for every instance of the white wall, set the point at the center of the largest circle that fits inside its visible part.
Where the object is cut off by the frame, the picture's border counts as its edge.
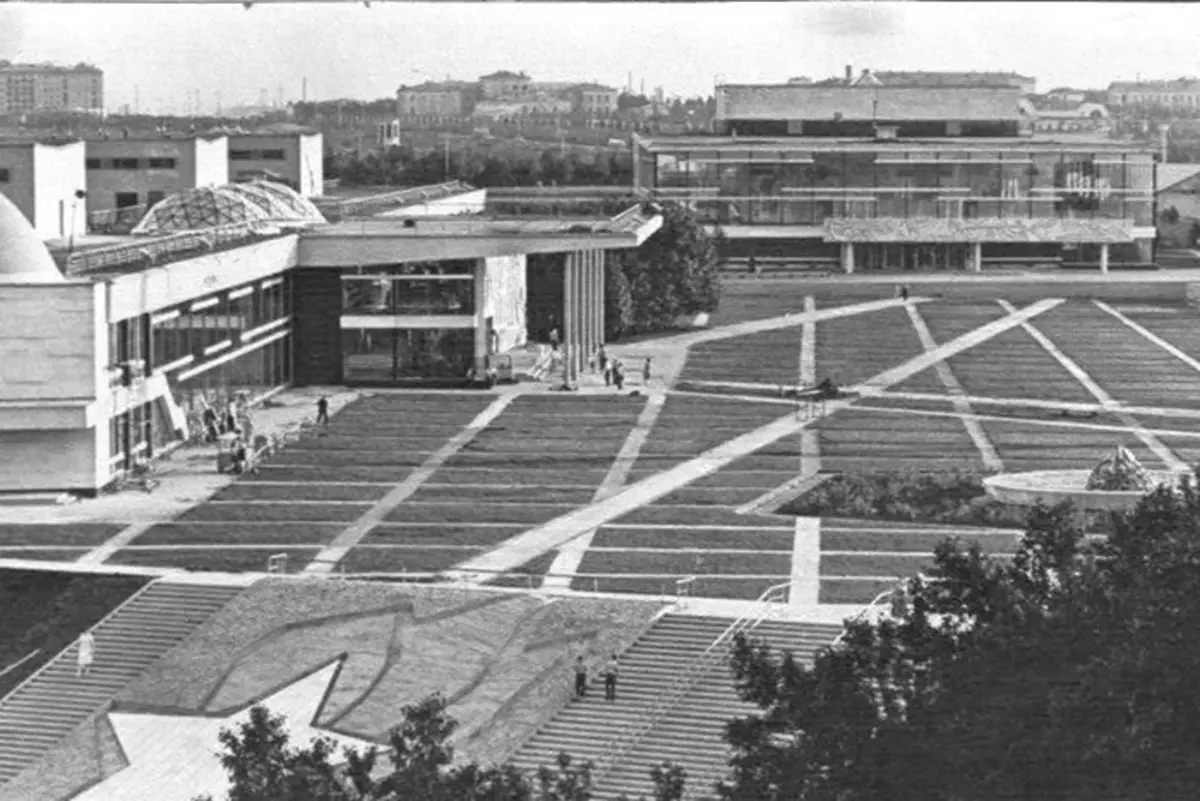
(40, 461)
(504, 299)
(212, 162)
(181, 281)
(50, 338)
(302, 163)
(18, 160)
(58, 172)
(466, 203)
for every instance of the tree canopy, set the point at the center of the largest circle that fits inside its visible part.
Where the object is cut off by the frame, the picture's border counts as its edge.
(263, 765)
(1063, 674)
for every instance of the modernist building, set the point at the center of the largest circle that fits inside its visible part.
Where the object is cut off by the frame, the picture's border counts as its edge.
(245, 289)
(49, 87)
(875, 177)
(46, 181)
(127, 176)
(293, 155)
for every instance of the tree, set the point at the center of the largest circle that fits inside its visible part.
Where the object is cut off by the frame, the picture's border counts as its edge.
(618, 299)
(676, 272)
(1066, 674)
(263, 766)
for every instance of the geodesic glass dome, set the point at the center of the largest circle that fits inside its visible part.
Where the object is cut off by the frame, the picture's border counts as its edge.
(210, 206)
(281, 201)
(201, 207)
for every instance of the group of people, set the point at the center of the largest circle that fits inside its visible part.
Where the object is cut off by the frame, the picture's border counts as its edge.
(232, 420)
(610, 678)
(613, 368)
(901, 291)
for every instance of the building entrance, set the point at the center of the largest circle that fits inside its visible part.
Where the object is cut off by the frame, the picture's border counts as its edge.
(905, 257)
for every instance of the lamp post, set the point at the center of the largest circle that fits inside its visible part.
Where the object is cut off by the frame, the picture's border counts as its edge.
(80, 194)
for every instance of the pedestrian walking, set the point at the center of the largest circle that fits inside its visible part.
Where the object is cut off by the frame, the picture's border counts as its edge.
(580, 677)
(610, 679)
(608, 373)
(646, 371)
(87, 654)
(602, 358)
(619, 374)
(554, 337)
(904, 293)
(323, 411)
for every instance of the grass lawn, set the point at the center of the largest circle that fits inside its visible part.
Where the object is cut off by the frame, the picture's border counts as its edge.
(853, 591)
(275, 512)
(1027, 447)
(253, 491)
(83, 534)
(423, 440)
(667, 563)
(853, 349)
(500, 494)
(241, 560)
(530, 477)
(1013, 365)
(715, 497)
(749, 539)
(332, 461)
(707, 587)
(470, 511)
(483, 536)
(923, 542)
(736, 477)
(319, 474)
(695, 516)
(259, 533)
(43, 554)
(548, 468)
(875, 565)
(366, 559)
(531, 574)
(47, 611)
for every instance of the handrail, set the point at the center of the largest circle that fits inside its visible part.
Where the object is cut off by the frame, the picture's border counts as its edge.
(95, 626)
(128, 252)
(863, 613)
(633, 732)
(20, 662)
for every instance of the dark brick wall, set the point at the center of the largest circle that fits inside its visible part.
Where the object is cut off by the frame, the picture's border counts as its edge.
(317, 337)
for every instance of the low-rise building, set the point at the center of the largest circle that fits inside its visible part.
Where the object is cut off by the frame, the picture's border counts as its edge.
(45, 180)
(1080, 118)
(921, 79)
(1178, 193)
(448, 98)
(1180, 95)
(1064, 95)
(594, 99)
(288, 153)
(127, 176)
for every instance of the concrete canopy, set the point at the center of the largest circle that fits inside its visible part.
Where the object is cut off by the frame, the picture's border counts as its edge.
(23, 257)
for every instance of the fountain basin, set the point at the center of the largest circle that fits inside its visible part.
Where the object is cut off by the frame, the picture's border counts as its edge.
(1055, 486)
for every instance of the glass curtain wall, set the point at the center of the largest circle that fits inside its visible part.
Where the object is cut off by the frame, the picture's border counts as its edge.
(385, 355)
(756, 187)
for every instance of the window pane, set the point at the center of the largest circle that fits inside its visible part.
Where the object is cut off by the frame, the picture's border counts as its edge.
(367, 354)
(454, 296)
(435, 353)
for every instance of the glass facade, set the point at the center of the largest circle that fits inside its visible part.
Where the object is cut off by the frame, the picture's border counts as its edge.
(383, 355)
(211, 349)
(732, 186)
(363, 294)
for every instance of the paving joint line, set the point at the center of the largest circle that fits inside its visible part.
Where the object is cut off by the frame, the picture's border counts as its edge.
(328, 558)
(987, 451)
(1153, 443)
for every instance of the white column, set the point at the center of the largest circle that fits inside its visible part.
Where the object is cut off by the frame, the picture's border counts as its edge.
(848, 258)
(977, 257)
(481, 334)
(1104, 258)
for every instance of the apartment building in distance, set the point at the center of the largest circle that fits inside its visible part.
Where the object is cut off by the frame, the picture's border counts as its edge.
(1182, 94)
(594, 99)
(45, 181)
(869, 177)
(50, 87)
(504, 85)
(448, 98)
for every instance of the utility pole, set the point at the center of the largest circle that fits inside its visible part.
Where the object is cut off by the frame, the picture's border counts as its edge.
(136, 102)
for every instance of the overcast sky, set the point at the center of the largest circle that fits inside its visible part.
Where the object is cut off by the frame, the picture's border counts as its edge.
(346, 50)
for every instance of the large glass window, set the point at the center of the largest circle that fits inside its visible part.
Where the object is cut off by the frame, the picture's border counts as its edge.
(368, 355)
(435, 353)
(408, 296)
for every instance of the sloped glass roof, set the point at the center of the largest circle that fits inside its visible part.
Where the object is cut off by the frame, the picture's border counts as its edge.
(211, 206)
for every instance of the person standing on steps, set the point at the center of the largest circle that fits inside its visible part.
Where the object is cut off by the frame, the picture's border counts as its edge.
(618, 371)
(87, 654)
(646, 371)
(904, 293)
(580, 677)
(610, 679)
(323, 411)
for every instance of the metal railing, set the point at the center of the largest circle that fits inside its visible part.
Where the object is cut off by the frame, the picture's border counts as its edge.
(371, 204)
(862, 613)
(95, 626)
(152, 250)
(635, 730)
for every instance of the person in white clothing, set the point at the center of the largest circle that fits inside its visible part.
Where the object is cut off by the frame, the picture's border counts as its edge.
(87, 653)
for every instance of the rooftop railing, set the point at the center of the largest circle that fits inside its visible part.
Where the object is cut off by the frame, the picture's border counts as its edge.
(152, 251)
(367, 205)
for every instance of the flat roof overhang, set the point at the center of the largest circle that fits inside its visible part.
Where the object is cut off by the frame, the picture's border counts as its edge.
(375, 241)
(798, 144)
(929, 231)
(48, 415)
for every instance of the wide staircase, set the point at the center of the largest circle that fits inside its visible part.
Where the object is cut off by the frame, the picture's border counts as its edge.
(42, 711)
(689, 734)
